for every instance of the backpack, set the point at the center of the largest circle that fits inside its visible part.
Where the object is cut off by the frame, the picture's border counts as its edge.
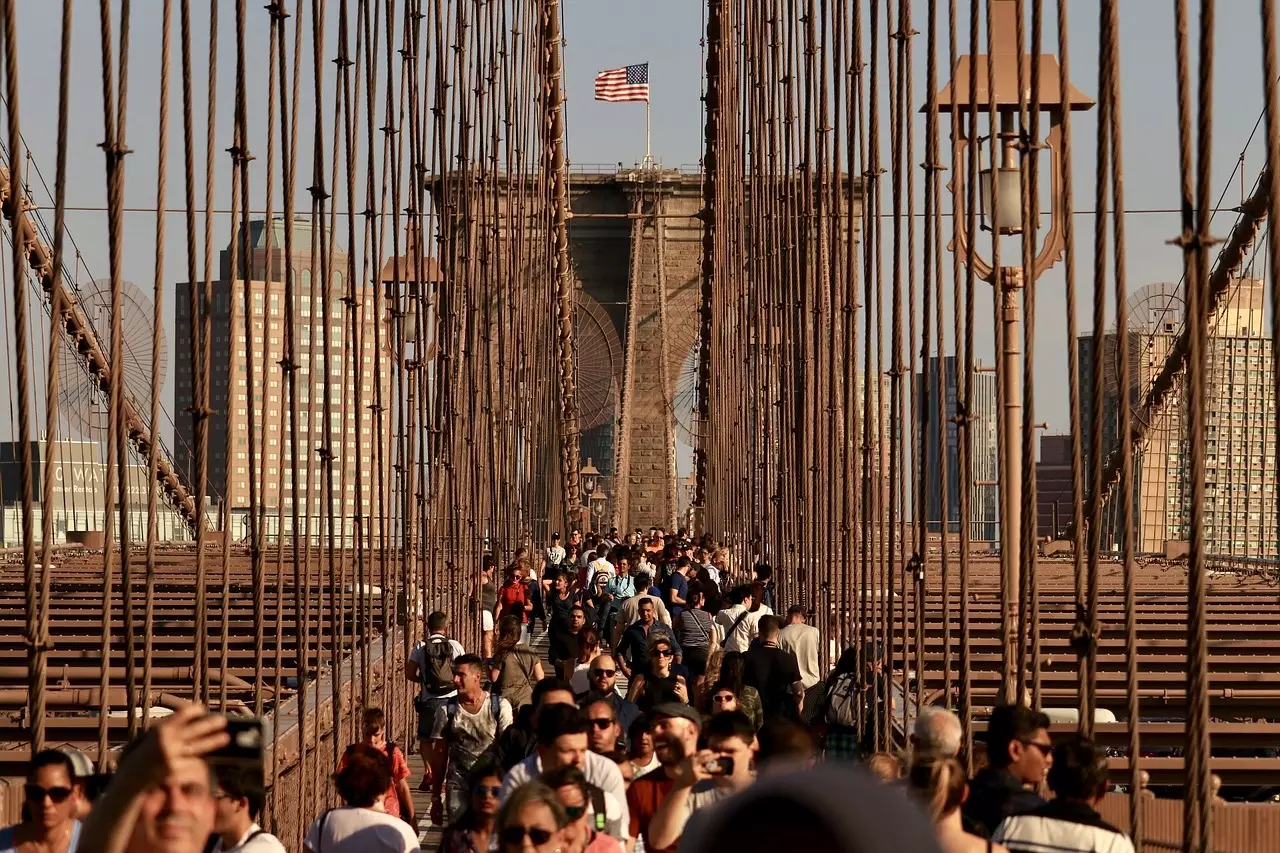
(437, 666)
(842, 701)
(600, 818)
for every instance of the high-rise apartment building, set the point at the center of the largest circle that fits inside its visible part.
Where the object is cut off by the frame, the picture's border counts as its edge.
(1240, 475)
(347, 379)
(984, 502)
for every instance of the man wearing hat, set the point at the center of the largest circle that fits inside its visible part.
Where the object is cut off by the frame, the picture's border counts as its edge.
(675, 728)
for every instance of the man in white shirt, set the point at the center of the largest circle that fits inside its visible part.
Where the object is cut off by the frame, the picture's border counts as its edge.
(464, 727)
(739, 622)
(563, 741)
(801, 640)
(430, 666)
(237, 805)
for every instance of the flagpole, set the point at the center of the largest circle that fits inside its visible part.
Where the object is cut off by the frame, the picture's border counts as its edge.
(648, 138)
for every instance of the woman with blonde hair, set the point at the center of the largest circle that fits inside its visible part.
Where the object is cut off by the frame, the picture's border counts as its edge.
(943, 788)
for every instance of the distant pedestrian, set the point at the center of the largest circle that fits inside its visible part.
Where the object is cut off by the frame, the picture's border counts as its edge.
(398, 801)
(516, 668)
(361, 825)
(430, 666)
(555, 552)
(238, 805)
(775, 673)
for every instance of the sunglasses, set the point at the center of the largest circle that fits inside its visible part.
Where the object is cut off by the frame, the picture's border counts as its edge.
(603, 673)
(664, 653)
(514, 835)
(488, 790)
(602, 723)
(36, 794)
(575, 812)
(720, 700)
(1046, 749)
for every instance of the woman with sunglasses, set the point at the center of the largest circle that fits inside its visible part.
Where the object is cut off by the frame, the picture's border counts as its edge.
(659, 683)
(532, 819)
(472, 832)
(575, 794)
(51, 801)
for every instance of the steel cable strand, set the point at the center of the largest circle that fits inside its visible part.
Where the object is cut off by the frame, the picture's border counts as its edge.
(38, 594)
(1198, 808)
(965, 392)
(1073, 361)
(1270, 72)
(157, 318)
(1030, 204)
(239, 263)
(1110, 55)
(15, 214)
(114, 150)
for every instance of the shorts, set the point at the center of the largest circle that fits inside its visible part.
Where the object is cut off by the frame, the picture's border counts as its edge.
(486, 620)
(427, 716)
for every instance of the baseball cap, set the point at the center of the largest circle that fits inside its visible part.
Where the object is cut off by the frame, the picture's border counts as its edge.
(80, 762)
(675, 709)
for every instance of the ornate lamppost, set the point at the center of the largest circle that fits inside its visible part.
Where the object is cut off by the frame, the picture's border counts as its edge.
(1003, 215)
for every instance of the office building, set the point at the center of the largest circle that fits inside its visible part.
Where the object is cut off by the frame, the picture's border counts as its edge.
(984, 516)
(1240, 477)
(346, 430)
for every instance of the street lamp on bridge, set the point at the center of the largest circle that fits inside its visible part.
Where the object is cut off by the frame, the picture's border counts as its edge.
(1003, 213)
(588, 475)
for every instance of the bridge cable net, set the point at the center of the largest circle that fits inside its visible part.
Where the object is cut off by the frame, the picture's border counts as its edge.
(356, 433)
(841, 385)
(397, 421)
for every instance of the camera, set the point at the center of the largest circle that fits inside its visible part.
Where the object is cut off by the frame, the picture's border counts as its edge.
(722, 766)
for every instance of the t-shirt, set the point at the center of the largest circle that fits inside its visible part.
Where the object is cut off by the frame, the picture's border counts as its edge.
(772, 671)
(678, 584)
(599, 771)
(419, 657)
(469, 735)
(738, 639)
(512, 598)
(255, 840)
(648, 792)
(352, 830)
(399, 771)
(802, 641)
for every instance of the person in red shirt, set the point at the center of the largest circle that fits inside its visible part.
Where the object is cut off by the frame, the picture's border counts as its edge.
(675, 728)
(398, 801)
(514, 599)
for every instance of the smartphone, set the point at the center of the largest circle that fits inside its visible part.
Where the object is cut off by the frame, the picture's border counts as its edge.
(722, 766)
(244, 754)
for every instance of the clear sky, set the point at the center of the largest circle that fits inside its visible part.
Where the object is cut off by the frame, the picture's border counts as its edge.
(609, 33)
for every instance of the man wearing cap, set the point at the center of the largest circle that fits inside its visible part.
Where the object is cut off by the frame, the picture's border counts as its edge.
(675, 729)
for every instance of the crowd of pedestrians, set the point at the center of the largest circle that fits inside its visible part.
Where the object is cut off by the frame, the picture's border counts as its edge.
(725, 735)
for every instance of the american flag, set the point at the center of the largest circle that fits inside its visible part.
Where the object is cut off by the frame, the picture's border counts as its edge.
(623, 84)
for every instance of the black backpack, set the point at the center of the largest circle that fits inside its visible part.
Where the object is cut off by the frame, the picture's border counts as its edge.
(437, 666)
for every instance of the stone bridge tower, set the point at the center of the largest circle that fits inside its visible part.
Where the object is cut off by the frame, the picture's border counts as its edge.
(635, 242)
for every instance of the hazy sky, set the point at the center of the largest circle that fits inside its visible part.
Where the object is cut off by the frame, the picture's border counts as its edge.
(609, 33)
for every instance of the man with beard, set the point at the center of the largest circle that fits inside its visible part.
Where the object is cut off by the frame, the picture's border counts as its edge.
(675, 737)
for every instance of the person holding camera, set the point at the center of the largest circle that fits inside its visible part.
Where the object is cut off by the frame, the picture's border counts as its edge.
(707, 776)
